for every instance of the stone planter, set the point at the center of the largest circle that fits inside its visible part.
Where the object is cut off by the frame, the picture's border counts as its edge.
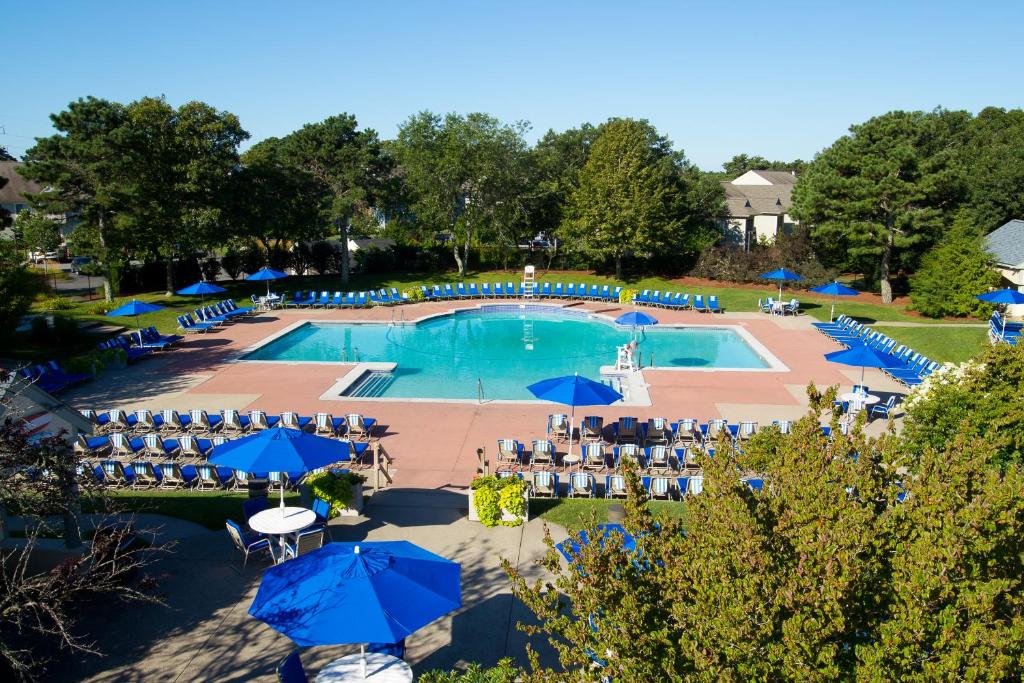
(505, 516)
(356, 506)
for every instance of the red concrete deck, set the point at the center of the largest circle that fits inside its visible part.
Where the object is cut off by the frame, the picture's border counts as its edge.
(434, 444)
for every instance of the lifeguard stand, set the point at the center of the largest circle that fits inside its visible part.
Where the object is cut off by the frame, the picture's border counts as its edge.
(529, 282)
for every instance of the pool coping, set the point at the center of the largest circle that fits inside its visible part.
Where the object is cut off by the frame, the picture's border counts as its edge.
(635, 381)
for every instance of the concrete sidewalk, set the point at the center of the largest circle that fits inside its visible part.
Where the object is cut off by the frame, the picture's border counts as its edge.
(205, 633)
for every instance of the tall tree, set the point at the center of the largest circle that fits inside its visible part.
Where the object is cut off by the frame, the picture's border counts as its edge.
(5, 155)
(350, 165)
(80, 167)
(631, 197)
(557, 160)
(466, 175)
(741, 163)
(995, 167)
(885, 189)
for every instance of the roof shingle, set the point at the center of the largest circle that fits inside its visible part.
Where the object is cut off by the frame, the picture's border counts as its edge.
(1006, 244)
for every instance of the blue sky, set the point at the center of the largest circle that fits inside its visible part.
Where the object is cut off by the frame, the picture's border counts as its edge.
(776, 78)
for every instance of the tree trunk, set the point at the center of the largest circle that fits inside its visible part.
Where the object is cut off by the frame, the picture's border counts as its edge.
(170, 275)
(458, 258)
(343, 266)
(883, 268)
(618, 267)
(108, 294)
(465, 255)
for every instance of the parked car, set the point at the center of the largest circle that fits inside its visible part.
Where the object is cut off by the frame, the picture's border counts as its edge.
(78, 262)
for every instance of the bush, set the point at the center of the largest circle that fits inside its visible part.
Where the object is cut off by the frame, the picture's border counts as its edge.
(374, 260)
(324, 256)
(210, 268)
(791, 251)
(65, 332)
(253, 258)
(626, 296)
(951, 274)
(492, 495)
(57, 303)
(335, 488)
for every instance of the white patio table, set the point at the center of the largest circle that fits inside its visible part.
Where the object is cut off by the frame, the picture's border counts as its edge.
(282, 522)
(859, 401)
(380, 668)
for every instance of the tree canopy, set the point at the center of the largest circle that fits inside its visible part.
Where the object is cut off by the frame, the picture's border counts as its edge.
(741, 163)
(953, 272)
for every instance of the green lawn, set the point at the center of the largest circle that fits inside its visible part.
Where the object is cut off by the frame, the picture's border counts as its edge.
(572, 513)
(942, 344)
(208, 508)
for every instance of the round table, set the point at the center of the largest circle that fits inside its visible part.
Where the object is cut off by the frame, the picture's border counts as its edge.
(858, 400)
(379, 668)
(281, 521)
(570, 460)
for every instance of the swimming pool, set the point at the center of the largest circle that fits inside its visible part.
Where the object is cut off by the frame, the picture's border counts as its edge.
(503, 347)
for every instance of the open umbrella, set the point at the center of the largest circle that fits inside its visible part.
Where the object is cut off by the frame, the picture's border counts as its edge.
(1002, 296)
(835, 289)
(573, 390)
(862, 356)
(369, 592)
(781, 274)
(280, 449)
(201, 288)
(636, 319)
(267, 274)
(135, 308)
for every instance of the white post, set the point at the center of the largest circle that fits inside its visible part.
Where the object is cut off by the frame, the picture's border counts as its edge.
(362, 651)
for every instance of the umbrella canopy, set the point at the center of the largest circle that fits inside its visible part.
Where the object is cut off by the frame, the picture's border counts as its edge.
(835, 289)
(200, 288)
(280, 449)
(267, 274)
(569, 547)
(370, 592)
(1002, 296)
(135, 308)
(862, 356)
(573, 390)
(781, 274)
(636, 318)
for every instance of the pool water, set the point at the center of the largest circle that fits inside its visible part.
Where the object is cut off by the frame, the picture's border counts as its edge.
(505, 347)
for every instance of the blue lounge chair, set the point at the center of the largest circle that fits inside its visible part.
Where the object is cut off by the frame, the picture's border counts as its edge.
(883, 409)
(698, 303)
(545, 290)
(559, 291)
(499, 289)
(460, 290)
(510, 451)
(189, 326)
(615, 486)
(544, 484)
(643, 297)
(712, 305)
(249, 543)
(581, 485)
(485, 290)
(594, 292)
(616, 294)
(542, 452)
(570, 290)
(449, 292)
(473, 291)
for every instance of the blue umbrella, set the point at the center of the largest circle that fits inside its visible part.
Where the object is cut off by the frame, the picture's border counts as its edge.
(863, 356)
(202, 288)
(781, 274)
(1002, 296)
(636, 318)
(835, 289)
(573, 390)
(280, 450)
(569, 547)
(267, 274)
(135, 308)
(369, 592)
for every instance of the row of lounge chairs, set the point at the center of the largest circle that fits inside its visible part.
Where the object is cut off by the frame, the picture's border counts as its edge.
(1001, 331)
(227, 423)
(217, 314)
(545, 290)
(140, 344)
(51, 377)
(325, 299)
(679, 300)
(548, 484)
(913, 367)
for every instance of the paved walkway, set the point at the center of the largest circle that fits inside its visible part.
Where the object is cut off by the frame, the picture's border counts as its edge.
(205, 633)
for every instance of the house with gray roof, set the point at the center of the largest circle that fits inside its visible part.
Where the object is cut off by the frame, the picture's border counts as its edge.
(758, 204)
(14, 198)
(1006, 245)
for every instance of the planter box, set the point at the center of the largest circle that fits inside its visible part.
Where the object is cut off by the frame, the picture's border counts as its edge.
(356, 508)
(505, 516)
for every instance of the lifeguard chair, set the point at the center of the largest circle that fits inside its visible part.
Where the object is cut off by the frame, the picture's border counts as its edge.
(529, 282)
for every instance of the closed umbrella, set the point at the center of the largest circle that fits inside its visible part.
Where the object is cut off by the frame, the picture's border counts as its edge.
(835, 289)
(781, 274)
(346, 593)
(573, 390)
(201, 289)
(1002, 296)
(135, 308)
(267, 274)
(280, 449)
(863, 356)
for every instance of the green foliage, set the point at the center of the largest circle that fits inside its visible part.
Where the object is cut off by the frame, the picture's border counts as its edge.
(504, 672)
(336, 488)
(741, 163)
(626, 296)
(994, 167)
(231, 261)
(980, 398)
(794, 251)
(38, 232)
(413, 294)
(57, 303)
(18, 286)
(952, 273)
(493, 495)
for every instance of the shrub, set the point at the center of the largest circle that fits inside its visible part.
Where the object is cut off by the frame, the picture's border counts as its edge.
(414, 294)
(951, 274)
(210, 268)
(323, 256)
(252, 258)
(104, 307)
(626, 296)
(335, 488)
(792, 251)
(57, 303)
(374, 260)
(231, 262)
(492, 495)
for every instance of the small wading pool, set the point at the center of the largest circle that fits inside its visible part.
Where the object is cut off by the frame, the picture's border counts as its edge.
(505, 347)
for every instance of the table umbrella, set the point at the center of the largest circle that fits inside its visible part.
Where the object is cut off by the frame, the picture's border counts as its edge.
(573, 390)
(835, 289)
(1002, 296)
(636, 319)
(135, 308)
(346, 593)
(862, 356)
(781, 274)
(280, 449)
(569, 547)
(202, 288)
(267, 274)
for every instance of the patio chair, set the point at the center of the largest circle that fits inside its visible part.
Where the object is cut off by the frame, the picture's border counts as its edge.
(306, 542)
(249, 543)
(277, 481)
(322, 509)
(396, 650)
(746, 429)
(209, 477)
(659, 458)
(685, 431)
(581, 485)
(171, 476)
(713, 428)
(291, 420)
(328, 425)
(153, 445)
(712, 305)
(883, 409)
(145, 475)
(91, 445)
(171, 422)
(658, 432)
(545, 485)
(626, 430)
(594, 456)
(629, 451)
(615, 486)
(542, 453)
(510, 451)
(117, 421)
(591, 428)
(233, 422)
(201, 423)
(252, 506)
(360, 427)
(122, 446)
(191, 448)
(144, 422)
(659, 488)
(558, 426)
(259, 420)
(698, 303)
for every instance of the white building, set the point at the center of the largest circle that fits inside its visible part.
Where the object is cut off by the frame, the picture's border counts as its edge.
(1006, 245)
(759, 203)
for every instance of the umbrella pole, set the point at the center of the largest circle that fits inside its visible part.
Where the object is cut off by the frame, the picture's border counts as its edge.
(282, 496)
(832, 313)
(572, 428)
(362, 656)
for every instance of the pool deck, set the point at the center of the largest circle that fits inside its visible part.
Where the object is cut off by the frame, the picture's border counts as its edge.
(434, 444)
